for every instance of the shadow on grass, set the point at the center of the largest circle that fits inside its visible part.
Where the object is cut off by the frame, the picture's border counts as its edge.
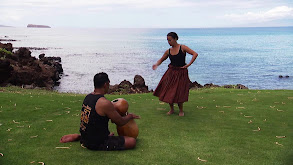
(289, 160)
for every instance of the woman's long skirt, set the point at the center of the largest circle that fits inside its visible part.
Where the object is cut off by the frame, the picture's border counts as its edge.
(174, 85)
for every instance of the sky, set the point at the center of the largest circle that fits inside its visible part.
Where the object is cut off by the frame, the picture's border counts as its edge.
(147, 13)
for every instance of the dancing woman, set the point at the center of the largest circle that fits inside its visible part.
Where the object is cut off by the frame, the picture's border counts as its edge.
(174, 85)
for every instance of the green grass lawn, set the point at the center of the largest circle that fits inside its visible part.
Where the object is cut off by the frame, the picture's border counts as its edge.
(220, 127)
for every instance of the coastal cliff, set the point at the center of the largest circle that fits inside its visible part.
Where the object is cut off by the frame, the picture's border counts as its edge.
(37, 26)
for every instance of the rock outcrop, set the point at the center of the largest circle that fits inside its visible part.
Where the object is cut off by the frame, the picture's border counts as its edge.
(238, 86)
(7, 46)
(21, 69)
(10, 40)
(125, 87)
(281, 76)
(195, 85)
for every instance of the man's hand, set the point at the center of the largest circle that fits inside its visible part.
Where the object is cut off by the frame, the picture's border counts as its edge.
(133, 116)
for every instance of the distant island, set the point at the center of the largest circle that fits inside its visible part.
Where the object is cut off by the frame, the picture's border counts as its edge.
(4, 26)
(37, 26)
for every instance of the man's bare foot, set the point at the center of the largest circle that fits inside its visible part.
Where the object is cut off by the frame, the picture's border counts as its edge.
(170, 112)
(70, 138)
(181, 113)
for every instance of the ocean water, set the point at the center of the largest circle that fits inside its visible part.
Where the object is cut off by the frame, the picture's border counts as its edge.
(254, 57)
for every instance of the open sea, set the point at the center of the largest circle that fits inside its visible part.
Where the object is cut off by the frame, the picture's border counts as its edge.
(254, 57)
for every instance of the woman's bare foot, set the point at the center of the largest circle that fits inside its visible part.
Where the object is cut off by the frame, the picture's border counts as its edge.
(170, 112)
(70, 138)
(181, 113)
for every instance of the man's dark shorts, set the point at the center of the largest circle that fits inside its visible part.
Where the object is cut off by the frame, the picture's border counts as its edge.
(111, 144)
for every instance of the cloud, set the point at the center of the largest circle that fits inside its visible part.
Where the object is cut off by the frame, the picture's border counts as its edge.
(131, 12)
(277, 13)
(56, 7)
(98, 3)
(11, 15)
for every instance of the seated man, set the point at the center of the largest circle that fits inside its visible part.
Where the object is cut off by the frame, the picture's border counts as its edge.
(95, 114)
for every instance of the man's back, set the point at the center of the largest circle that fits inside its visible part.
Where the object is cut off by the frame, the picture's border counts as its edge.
(93, 127)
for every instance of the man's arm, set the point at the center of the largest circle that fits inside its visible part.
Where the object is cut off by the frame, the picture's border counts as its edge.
(105, 107)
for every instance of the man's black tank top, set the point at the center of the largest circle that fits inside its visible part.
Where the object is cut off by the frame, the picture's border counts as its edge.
(177, 60)
(93, 127)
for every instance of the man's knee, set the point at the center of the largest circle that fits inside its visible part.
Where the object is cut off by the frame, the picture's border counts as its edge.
(130, 142)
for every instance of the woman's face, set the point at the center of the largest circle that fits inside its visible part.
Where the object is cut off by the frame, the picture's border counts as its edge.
(171, 41)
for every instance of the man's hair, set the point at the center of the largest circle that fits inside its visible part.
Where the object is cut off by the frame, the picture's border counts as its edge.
(100, 79)
(173, 35)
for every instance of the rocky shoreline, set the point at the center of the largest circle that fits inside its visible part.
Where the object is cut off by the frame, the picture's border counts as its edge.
(19, 68)
(126, 87)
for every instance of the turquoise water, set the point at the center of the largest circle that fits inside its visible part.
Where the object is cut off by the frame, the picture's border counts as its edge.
(254, 57)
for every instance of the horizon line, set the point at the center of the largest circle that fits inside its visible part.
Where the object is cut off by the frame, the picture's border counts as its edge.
(219, 27)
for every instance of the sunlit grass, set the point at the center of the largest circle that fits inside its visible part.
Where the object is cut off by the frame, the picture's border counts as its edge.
(221, 126)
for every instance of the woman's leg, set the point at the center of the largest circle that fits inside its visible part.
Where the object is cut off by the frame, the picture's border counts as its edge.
(180, 105)
(171, 109)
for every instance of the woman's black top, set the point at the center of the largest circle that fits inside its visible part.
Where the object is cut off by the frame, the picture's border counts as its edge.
(177, 60)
